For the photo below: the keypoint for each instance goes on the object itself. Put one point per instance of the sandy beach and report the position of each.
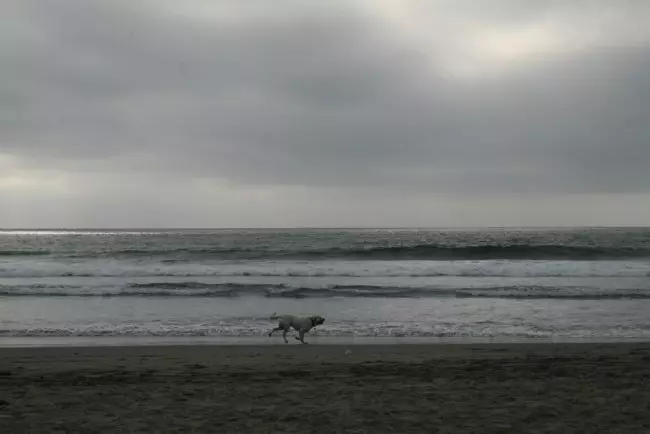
(518, 388)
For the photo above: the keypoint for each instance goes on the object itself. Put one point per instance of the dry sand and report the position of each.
(545, 388)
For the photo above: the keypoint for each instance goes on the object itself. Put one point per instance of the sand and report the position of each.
(544, 388)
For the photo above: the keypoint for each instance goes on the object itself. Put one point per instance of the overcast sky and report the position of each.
(258, 113)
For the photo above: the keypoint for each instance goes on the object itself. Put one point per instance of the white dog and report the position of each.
(302, 324)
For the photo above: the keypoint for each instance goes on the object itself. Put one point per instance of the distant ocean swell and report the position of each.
(198, 289)
(421, 251)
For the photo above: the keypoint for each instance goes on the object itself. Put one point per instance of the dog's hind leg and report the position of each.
(277, 329)
(302, 337)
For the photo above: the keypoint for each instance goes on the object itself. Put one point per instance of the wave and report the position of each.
(639, 272)
(413, 252)
(198, 289)
(513, 251)
(24, 252)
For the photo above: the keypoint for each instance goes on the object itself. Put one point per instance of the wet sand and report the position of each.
(516, 388)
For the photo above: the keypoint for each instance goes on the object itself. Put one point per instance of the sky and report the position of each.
(344, 113)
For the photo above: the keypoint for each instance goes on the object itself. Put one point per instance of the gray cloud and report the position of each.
(312, 96)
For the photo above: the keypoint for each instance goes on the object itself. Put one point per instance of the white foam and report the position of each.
(485, 268)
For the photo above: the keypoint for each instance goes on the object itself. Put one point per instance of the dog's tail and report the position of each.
(274, 316)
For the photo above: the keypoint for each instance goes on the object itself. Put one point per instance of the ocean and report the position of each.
(400, 284)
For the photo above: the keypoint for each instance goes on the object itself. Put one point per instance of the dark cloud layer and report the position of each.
(302, 95)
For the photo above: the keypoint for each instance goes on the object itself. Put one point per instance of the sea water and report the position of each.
(397, 284)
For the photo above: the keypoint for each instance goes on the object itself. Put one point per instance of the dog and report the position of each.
(302, 324)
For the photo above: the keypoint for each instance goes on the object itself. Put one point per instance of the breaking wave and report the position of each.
(163, 269)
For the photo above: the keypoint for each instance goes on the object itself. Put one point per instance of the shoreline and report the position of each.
(264, 341)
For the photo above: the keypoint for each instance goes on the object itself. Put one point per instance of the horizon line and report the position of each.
(99, 228)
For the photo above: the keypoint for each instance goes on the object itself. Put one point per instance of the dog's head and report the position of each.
(317, 320)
